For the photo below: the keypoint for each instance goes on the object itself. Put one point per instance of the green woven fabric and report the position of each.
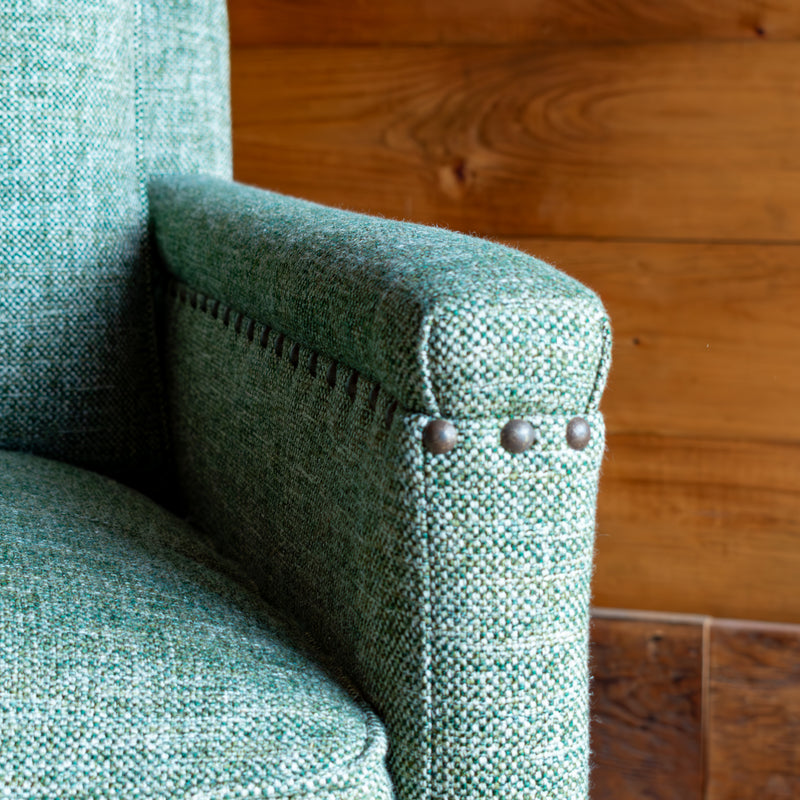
(449, 325)
(95, 96)
(132, 666)
(454, 587)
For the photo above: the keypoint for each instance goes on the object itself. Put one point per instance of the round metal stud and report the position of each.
(578, 433)
(439, 436)
(517, 435)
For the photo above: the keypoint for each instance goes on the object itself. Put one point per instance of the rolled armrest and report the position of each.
(340, 392)
(449, 324)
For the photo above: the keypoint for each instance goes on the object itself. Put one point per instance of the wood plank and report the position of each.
(278, 22)
(646, 707)
(754, 712)
(672, 141)
(706, 337)
(700, 526)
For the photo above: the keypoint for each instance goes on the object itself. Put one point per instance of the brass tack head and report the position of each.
(517, 435)
(578, 433)
(439, 436)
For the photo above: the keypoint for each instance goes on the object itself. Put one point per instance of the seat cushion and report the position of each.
(133, 665)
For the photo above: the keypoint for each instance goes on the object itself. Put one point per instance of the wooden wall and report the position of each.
(651, 150)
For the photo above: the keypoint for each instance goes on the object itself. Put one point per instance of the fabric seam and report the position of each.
(146, 248)
(379, 398)
(603, 365)
(244, 325)
(425, 520)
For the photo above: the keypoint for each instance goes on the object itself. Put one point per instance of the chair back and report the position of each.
(96, 96)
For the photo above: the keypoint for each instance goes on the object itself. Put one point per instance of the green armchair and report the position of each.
(293, 502)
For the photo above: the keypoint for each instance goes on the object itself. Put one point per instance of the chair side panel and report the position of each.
(454, 587)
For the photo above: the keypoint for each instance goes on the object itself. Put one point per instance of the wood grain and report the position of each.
(754, 712)
(646, 707)
(277, 22)
(700, 526)
(671, 141)
(706, 336)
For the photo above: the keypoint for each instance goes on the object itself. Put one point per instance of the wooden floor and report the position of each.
(694, 708)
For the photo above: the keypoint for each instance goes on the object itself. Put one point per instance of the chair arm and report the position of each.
(311, 354)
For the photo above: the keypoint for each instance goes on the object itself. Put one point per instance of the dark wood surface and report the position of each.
(694, 708)
(646, 707)
(259, 22)
(754, 712)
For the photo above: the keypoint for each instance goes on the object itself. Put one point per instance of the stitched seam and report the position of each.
(603, 366)
(283, 347)
(429, 392)
(282, 344)
(427, 625)
(349, 772)
(380, 402)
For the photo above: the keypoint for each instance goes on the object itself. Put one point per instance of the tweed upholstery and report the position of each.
(448, 324)
(453, 587)
(134, 667)
(95, 96)
(306, 349)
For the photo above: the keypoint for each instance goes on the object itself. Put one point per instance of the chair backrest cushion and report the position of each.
(96, 96)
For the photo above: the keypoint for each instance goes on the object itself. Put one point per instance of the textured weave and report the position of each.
(449, 325)
(95, 96)
(454, 587)
(132, 667)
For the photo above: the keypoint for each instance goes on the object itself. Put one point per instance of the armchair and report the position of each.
(375, 448)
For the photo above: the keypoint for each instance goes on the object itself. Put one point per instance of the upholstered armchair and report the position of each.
(293, 502)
